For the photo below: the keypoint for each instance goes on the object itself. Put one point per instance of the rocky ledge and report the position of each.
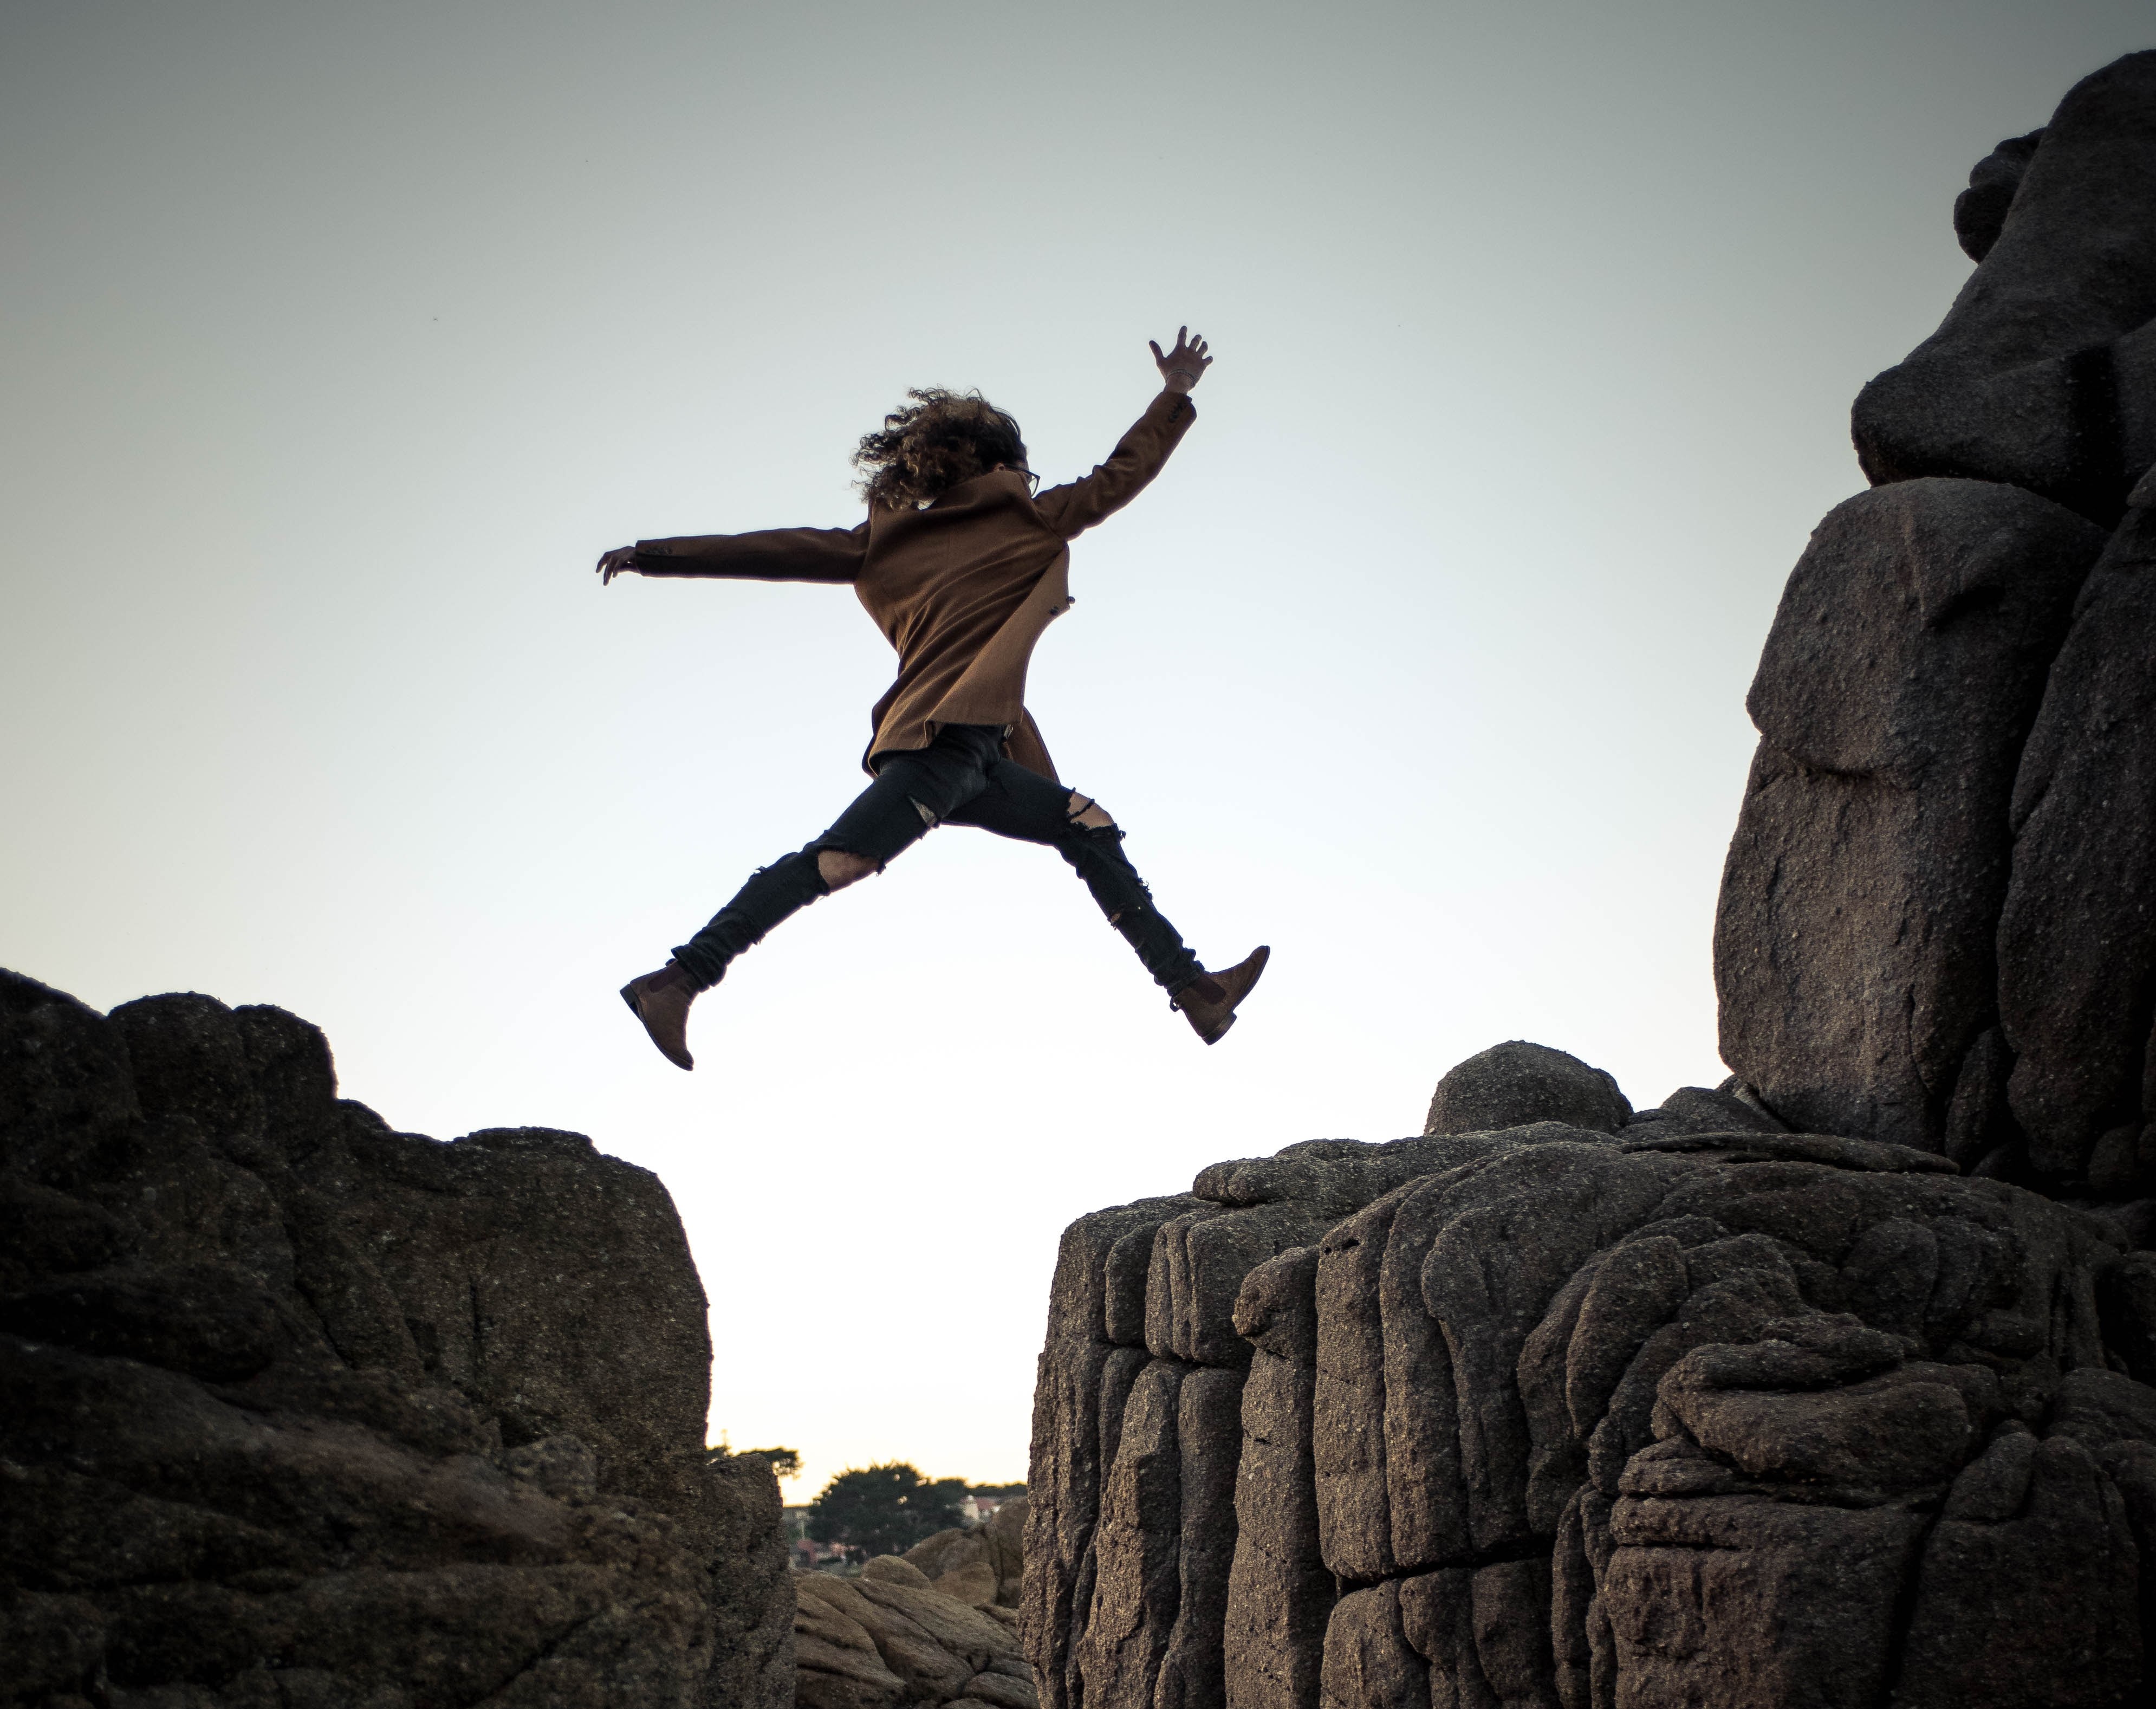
(302, 1413)
(1677, 1409)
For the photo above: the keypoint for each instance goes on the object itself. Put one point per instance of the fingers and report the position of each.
(1187, 350)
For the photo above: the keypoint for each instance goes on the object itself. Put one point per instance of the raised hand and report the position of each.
(619, 561)
(1183, 367)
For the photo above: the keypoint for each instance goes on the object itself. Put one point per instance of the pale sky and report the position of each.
(336, 342)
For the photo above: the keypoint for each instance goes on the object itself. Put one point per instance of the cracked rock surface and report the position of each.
(301, 1413)
(1550, 1416)
(893, 1638)
(1933, 926)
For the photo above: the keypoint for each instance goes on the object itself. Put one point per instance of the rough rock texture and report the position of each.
(891, 1638)
(2077, 933)
(1516, 1082)
(1853, 948)
(302, 1411)
(1934, 927)
(1667, 1418)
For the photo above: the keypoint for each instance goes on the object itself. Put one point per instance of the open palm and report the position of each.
(1183, 367)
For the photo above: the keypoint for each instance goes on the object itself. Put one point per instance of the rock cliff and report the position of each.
(300, 1411)
(1827, 1386)
(1934, 927)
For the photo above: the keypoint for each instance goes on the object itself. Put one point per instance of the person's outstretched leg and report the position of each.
(1019, 803)
(912, 792)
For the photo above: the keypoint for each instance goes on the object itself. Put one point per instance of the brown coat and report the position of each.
(961, 589)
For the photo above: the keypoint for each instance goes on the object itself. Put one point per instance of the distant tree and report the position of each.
(885, 1510)
(1002, 1492)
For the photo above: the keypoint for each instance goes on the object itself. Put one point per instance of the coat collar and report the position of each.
(984, 488)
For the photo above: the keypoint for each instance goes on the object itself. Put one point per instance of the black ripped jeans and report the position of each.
(960, 779)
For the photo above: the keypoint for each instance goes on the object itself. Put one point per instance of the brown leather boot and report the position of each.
(661, 1001)
(1209, 1002)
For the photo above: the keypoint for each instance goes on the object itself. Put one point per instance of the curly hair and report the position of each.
(931, 444)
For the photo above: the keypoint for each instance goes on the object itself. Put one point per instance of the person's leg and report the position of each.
(1019, 803)
(912, 793)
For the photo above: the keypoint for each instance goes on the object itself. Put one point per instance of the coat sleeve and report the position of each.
(770, 555)
(1137, 457)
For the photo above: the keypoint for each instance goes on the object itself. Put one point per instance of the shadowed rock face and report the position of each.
(2038, 376)
(1979, 213)
(1550, 1416)
(1853, 944)
(300, 1410)
(1934, 927)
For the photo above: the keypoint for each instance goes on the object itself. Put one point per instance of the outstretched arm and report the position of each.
(771, 554)
(1140, 454)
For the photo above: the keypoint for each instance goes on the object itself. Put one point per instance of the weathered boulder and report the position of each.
(301, 1409)
(1934, 928)
(1516, 1082)
(884, 1639)
(1660, 1417)
(1853, 941)
(983, 1564)
(2021, 383)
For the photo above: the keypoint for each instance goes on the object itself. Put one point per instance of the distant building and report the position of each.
(806, 1553)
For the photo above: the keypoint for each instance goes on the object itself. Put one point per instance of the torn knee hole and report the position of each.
(1087, 814)
(926, 812)
(838, 867)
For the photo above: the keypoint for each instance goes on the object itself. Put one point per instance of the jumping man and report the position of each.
(962, 566)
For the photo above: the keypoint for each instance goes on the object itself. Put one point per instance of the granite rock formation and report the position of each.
(1691, 1412)
(891, 1638)
(1935, 928)
(1833, 1385)
(301, 1411)
(983, 1564)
